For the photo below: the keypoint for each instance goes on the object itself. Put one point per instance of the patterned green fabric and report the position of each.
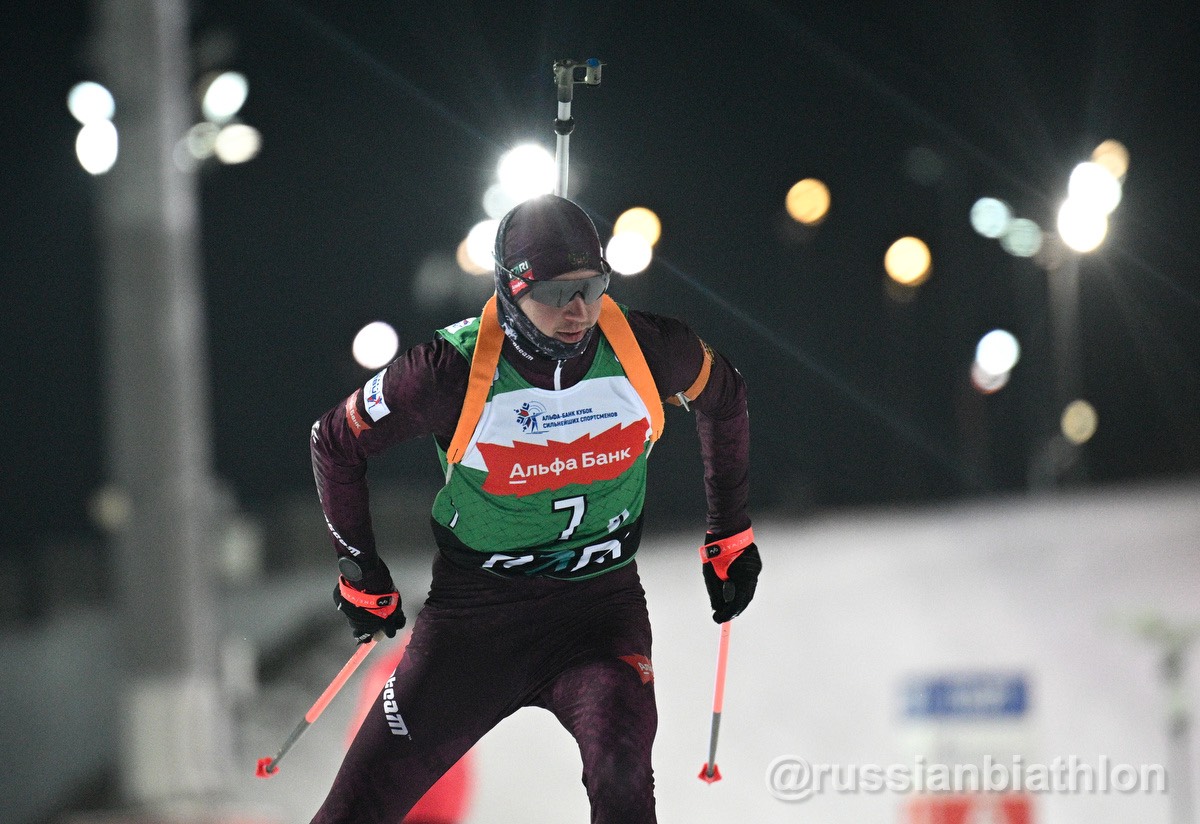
(548, 472)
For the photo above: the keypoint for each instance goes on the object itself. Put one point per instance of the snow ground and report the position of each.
(849, 607)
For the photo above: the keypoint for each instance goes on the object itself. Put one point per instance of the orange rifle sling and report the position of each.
(616, 328)
(484, 361)
(486, 358)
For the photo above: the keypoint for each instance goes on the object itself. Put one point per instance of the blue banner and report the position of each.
(967, 695)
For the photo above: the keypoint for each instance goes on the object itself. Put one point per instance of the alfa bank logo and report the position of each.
(529, 468)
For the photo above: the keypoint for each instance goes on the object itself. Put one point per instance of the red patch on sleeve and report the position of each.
(641, 663)
(353, 419)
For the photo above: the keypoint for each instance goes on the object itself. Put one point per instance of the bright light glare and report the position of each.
(808, 201)
(527, 171)
(481, 244)
(629, 253)
(497, 201)
(225, 96)
(1095, 186)
(237, 143)
(1079, 422)
(907, 261)
(1022, 239)
(990, 217)
(640, 221)
(89, 102)
(1081, 227)
(463, 258)
(1112, 155)
(96, 146)
(997, 352)
(375, 345)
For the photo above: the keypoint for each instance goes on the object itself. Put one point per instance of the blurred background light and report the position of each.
(96, 146)
(629, 253)
(481, 244)
(908, 261)
(639, 221)
(997, 352)
(224, 96)
(237, 143)
(1093, 185)
(375, 345)
(497, 201)
(527, 171)
(462, 256)
(201, 140)
(1079, 421)
(89, 102)
(1022, 238)
(109, 508)
(987, 383)
(808, 201)
(1081, 226)
(990, 217)
(1113, 156)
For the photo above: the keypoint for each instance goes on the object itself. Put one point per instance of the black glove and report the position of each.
(731, 566)
(368, 599)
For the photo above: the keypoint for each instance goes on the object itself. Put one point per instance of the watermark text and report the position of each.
(791, 778)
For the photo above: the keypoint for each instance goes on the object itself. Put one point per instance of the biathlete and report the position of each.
(544, 410)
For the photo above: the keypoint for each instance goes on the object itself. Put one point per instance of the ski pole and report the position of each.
(268, 766)
(564, 80)
(709, 772)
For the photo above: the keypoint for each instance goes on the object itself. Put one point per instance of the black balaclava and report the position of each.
(540, 239)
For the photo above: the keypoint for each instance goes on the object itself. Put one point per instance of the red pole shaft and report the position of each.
(269, 766)
(709, 771)
(339, 681)
(722, 659)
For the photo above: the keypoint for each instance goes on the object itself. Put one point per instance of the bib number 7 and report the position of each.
(578, 506)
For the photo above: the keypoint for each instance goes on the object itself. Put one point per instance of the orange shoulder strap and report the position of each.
(486, 358)
(620, 336)
(484, 361)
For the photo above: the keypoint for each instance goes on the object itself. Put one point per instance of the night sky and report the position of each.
(382, 124)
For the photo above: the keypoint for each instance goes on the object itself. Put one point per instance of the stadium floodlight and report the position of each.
(224, 96)
(1081, 225)
(997, 352)
(89, 102)
(526, 171)
(96, 146)
(375, 345)
(629, 253)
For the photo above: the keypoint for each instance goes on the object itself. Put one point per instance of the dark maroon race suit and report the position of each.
(484, 646)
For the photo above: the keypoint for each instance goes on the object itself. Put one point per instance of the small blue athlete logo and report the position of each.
(529, 417)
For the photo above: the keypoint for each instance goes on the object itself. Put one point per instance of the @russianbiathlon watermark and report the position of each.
(791, 778)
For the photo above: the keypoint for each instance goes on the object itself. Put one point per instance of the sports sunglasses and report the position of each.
(560, 292)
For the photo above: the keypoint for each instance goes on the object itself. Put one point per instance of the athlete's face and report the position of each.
(566, 323)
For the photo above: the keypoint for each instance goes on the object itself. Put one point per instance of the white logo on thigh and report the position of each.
(391, 710)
